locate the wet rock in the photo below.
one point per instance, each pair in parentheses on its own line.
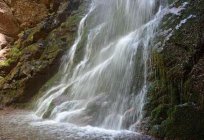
(129,118)
(175,126)
(175,99)
(197,75)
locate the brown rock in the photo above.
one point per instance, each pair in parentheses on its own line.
(8,24)
(46,2)
(29,13)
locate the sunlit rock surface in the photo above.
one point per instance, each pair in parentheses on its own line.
(34,57)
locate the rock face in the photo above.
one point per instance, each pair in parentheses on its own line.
(8,23)
(8,27)
(29,13)
(35,56)
(175,107)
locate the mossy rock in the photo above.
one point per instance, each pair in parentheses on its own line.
(35,56)
(176,80)
(184,122)
(159,114)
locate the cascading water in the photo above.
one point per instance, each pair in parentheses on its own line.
(104,74)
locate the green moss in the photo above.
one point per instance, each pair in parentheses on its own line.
(13,57)
(159,114)
(164,93)
(33,48)
(184,122)
(4,63)
(36,51)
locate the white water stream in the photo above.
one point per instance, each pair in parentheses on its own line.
(104,80)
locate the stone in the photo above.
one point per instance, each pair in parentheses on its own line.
(29,13)
(175,97)
(3,41)
(8,23)
(35,56)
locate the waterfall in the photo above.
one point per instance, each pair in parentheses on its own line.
(103,79)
